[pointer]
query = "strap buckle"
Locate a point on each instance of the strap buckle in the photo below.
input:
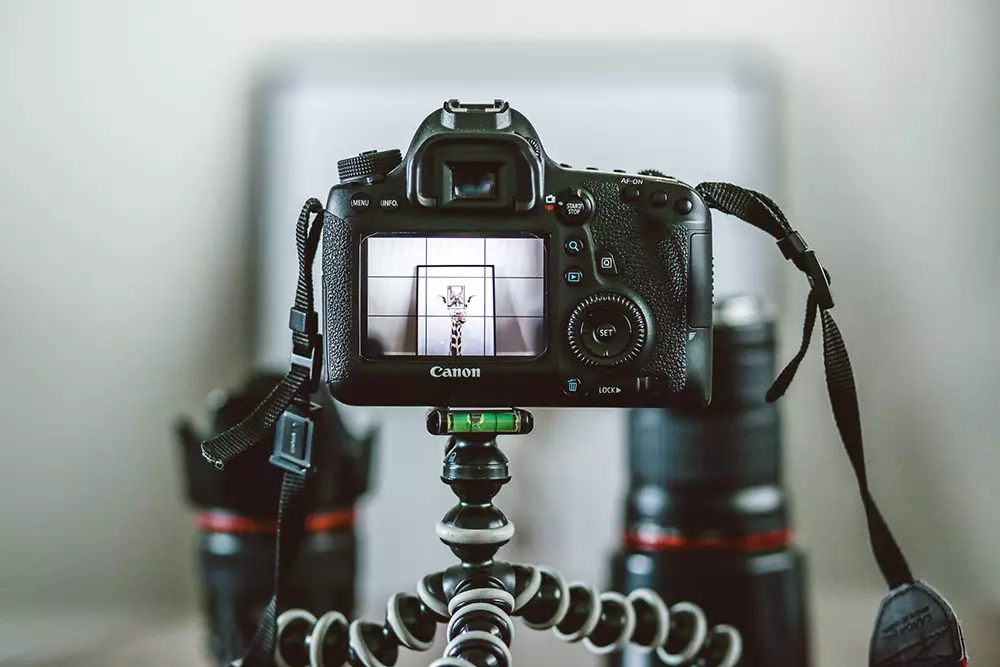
(305, 322)
(795, 249)
(312, 363)
(293, 438)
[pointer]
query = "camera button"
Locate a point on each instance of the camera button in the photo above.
(658, 198)
(606, 264)
(651, 385)
(573, 246)
(605, 333)
(630, 194)
(360, 202)
(574, 206)
(573, 276)
(573, 387)
(683, 206)
(389, 203)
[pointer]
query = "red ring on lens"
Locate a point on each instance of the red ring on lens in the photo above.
(234, 524)
(770, 541)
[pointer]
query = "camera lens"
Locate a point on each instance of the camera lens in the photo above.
(706, 515)
(237, 512)
(474, 180)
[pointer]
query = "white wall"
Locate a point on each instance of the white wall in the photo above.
(123, 260)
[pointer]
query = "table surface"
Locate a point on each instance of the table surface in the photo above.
(126, 639)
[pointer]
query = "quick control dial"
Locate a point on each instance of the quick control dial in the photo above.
(367, 165)
(606, 329)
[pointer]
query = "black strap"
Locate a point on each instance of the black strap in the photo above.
(758, 210)
(301, 381)
(303, 374)
(291, 532)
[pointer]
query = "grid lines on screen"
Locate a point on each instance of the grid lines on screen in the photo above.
(455, 296)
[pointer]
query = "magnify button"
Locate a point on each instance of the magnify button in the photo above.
(573, 246)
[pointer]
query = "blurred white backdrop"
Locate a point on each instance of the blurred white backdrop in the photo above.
(124, 260)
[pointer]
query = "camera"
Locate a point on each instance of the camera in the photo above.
(476, 271)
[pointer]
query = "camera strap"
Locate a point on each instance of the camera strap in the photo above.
(914, 623)
(288, 403)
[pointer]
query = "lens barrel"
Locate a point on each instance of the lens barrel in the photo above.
(706, 516)
(237, 514)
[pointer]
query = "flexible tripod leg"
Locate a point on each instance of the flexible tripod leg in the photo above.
(304, 641)
(609, 621)
(604, 622)
(478, 597)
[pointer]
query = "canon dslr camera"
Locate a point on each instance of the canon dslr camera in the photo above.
(475, 271)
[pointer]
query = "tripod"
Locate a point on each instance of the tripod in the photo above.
(478, 597)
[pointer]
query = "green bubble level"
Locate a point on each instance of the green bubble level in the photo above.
(508, 421)
(442, 421)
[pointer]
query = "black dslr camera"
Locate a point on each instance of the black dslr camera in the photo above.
(475, 271)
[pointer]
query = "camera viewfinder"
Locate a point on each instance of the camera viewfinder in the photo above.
(475, 180)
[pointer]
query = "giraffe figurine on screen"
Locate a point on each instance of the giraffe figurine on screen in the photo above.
(456, 302)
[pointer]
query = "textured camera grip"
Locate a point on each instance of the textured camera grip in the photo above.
(653, 261)
(339, 273)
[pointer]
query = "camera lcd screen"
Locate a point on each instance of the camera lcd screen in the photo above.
(440, 296)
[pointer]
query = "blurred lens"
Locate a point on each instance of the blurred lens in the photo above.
(237, 512)
(474, 180)
(707, 515)
(236, 573)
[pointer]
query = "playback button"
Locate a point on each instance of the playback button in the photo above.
(573, 276)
